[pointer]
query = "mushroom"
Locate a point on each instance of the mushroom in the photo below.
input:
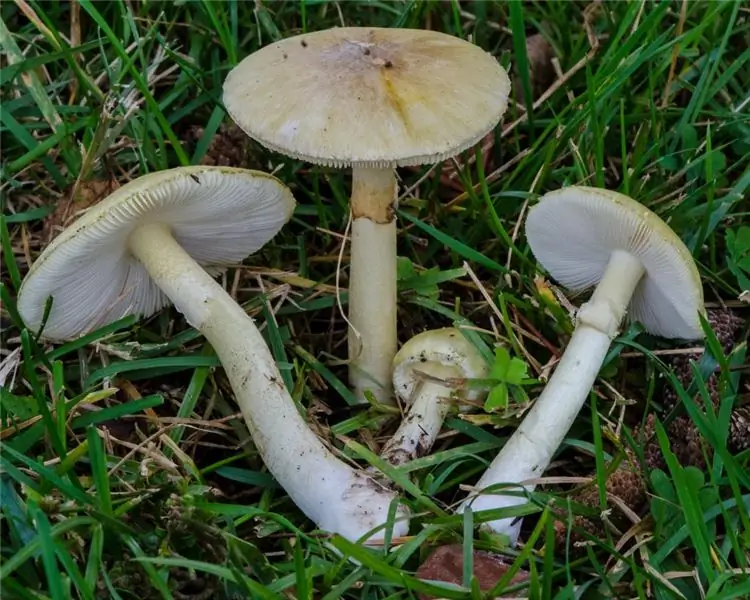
(439, 354)
(371, 99)
(584, 237)
(154, 240)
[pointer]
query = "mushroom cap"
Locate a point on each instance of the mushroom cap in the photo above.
(573, 231)
(368, 96)
(219, 216)
(447, 347)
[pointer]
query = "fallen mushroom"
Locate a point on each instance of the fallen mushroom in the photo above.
(371, 99)
(439, 354)
(153, 241)
(584, 237)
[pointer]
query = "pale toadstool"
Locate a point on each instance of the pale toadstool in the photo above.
(371, 99)
(151, 242)
(584, 237)
(440, 354)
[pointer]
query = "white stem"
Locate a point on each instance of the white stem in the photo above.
(421, 426)
(372, 284)
(529, 451)
(338, 498)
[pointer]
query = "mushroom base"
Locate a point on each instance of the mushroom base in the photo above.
(338, 498)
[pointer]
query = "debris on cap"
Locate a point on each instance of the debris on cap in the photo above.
(446, 563)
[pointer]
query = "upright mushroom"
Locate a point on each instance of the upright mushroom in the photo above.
(371, 99)
(151, 242)
(584, 237)
(439, 354)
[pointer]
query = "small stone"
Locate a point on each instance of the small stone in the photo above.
(446, 563)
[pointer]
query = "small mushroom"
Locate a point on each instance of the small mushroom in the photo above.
(371, 99)
(439, 354)
(588, 237)
(157, 239)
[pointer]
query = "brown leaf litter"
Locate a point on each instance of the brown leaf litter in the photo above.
(446, 563)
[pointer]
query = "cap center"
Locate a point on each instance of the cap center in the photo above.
(353, 52)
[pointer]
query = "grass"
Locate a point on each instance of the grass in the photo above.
(126, 471)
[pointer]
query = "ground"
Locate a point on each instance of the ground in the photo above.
(126, 470)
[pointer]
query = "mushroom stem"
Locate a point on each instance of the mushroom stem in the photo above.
(337, 497)
(372, 286)
(606, 308)
(421, 426)
(530, 449)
